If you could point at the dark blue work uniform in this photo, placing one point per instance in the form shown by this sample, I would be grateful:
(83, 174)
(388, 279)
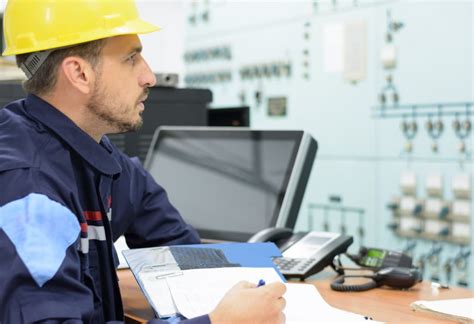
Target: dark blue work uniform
(64, 200)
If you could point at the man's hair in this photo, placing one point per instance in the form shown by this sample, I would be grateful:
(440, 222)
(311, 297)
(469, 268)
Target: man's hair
(44, 80)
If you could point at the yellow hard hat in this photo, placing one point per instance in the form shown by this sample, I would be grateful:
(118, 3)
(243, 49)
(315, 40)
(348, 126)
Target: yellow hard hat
(37, 25)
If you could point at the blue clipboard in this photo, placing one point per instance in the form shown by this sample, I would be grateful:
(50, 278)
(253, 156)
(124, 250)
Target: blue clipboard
(253, 255)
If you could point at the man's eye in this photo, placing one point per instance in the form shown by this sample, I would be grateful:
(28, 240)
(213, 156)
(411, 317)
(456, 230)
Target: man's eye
(132, 58)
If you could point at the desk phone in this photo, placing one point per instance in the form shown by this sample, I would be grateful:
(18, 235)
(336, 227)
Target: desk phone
(376, 259)
(304, 253)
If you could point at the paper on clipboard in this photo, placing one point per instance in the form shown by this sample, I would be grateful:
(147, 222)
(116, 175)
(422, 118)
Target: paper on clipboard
(197, 292)
(151, 267)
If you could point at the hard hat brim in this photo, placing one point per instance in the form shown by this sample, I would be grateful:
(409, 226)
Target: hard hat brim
(133, 27)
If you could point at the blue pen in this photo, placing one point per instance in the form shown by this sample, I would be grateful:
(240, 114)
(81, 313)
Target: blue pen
(261, 282)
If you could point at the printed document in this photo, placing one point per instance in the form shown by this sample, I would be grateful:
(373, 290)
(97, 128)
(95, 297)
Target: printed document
(197, 292)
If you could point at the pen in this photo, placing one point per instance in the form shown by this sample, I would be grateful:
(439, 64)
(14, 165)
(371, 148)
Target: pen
(261, 282)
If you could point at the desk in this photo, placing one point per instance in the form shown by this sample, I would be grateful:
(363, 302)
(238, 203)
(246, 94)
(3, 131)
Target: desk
(381, 304)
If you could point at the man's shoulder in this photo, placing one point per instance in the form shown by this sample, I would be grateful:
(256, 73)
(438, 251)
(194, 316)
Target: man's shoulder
(19, 138)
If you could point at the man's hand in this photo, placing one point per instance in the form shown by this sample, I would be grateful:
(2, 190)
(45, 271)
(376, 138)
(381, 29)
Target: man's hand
(245, 303)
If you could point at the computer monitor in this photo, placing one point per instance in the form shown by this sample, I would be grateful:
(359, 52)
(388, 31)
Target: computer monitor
(230, 182)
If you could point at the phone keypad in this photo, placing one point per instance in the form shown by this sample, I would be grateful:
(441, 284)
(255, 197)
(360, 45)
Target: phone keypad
(292, 264)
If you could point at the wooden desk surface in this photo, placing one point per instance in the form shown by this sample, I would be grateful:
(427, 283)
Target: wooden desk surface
(381, 304)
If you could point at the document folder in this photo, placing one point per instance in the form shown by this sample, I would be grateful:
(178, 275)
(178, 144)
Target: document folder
(153, 267)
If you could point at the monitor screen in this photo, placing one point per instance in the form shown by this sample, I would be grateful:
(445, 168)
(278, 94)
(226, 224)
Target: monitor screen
(230, 183)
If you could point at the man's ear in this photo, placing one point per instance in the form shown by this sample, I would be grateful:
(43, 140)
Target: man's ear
(79, 73)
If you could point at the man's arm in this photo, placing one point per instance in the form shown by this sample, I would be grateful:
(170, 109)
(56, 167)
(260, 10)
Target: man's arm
(142, 211)
(40, 271)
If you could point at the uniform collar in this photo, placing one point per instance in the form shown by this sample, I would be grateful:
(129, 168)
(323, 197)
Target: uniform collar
(98, 155)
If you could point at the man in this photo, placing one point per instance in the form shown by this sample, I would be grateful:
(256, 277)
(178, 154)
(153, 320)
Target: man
(66, 192)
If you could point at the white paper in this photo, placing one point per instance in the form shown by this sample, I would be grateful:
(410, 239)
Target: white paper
(198, 291)
(121, 245)
(304, 305)
(456, 307)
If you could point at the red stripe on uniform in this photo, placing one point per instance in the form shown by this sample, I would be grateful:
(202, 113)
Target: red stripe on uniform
(93, 215)
(83, 227)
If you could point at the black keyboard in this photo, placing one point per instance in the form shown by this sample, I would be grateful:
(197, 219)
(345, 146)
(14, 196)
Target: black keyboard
(200, 258)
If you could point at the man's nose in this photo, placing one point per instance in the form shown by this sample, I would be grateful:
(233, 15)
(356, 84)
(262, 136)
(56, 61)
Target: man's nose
(148, 78)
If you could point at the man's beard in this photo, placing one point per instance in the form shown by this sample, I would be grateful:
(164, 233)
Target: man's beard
(108, 111)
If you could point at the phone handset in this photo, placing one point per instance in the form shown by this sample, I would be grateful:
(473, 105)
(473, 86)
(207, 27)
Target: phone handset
(271, 234)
